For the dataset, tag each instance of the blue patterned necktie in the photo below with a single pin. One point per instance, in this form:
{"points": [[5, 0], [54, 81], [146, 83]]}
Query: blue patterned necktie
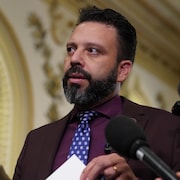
{"points": [[81, 139]]}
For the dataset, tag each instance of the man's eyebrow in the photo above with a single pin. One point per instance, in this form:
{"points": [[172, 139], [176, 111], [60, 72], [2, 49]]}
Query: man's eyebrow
{"points": [[70, 43], [95, 45]]}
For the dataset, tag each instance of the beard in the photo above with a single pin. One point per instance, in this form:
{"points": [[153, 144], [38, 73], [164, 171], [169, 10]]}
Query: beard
{"points": [[96, 91]]}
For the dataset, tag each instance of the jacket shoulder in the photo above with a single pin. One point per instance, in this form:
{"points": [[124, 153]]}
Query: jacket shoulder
{"points": [[131, 108]]}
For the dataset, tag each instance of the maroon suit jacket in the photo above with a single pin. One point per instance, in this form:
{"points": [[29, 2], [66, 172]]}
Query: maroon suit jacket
{"points": [[162, 130]]}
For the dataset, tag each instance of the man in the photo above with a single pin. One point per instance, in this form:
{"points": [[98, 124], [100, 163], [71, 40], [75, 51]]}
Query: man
{"points": [[100, 55]]}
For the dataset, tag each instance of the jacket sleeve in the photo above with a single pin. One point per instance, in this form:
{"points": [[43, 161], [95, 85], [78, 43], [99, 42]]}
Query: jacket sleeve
{"points": [[176, 154], [18, 169]]}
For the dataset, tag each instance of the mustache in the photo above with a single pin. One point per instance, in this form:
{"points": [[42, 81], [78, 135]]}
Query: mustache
{"points": [[77, 70]]}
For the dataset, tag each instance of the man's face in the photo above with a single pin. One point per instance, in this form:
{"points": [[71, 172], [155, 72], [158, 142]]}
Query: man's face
{"points": [[91, 63]]}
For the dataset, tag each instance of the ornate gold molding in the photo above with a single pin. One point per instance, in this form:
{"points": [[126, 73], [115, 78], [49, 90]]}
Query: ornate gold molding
{"points": [[16, 111], [52, 83]]}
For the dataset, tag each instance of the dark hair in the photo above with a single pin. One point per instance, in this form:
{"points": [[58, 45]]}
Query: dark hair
{"points": [[126, 32]]}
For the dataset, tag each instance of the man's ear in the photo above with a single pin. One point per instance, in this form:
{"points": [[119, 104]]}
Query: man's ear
{"points": [[124, 68]]}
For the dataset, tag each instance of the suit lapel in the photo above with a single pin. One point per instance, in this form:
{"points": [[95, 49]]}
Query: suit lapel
{"points": [[134, 111], [51, 144]]}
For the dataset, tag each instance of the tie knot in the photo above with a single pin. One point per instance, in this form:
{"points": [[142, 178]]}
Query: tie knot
{"points": [[87, 115]]}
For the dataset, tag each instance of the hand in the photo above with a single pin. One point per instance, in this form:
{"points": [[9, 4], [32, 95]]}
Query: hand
{"points": [[177, 174], [111, 166]]}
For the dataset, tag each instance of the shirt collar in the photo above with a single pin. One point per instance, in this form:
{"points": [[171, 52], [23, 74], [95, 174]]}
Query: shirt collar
{"points": [[110, 108]]}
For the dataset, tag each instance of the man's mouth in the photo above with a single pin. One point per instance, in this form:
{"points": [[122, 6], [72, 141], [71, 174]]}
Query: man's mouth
{"points": [[76, 78]]}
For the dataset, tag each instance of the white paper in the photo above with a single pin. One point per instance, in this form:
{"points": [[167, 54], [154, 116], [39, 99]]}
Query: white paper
{"points": [[71, 169]]}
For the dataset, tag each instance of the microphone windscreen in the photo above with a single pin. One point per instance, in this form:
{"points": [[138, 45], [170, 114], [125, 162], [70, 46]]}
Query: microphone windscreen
{"points": [[121, 133]]}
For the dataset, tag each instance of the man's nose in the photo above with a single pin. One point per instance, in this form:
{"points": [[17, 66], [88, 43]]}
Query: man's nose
{"points": [[77, 58]]}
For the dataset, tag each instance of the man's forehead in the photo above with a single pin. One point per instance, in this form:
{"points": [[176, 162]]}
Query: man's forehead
{"points": [[93, 25], [94, 30]]}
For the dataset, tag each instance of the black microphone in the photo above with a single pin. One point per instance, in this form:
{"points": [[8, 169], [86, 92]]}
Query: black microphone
{"points": [[176, 108], [128, 139]]}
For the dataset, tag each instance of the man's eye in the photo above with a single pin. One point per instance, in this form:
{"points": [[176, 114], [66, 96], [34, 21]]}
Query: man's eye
{"points": [[93, 50], [70, 49]]}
